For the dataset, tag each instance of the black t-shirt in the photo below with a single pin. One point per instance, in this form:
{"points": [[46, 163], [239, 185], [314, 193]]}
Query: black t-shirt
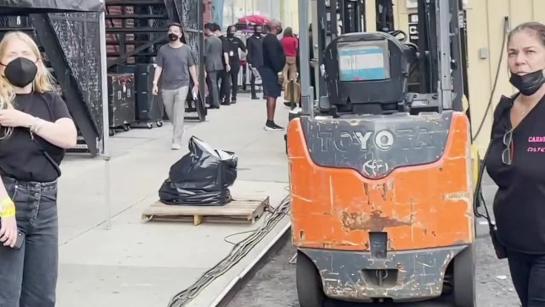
{"points": [[519, 204], [255, 50], [233, 44], [273, 53], [20, 156]]}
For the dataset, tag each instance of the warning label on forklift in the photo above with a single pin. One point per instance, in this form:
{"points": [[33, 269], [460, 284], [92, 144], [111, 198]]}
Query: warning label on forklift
{"points": [[362, 62]]}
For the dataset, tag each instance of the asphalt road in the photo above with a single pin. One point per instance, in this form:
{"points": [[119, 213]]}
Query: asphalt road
{"points": [[273, 285]]}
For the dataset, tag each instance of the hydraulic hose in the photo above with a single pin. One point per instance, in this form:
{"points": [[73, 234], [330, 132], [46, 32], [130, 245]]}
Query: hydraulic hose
{"points": [[494, 87]]}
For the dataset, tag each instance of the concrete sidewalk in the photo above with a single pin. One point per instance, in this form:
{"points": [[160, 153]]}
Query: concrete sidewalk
{"points": [[110, 257]]}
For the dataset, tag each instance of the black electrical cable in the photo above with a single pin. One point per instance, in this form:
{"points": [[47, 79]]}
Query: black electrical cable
{"points": [[238, 252], [481, 125], [478, 197], [226, 239], [479, 201]]}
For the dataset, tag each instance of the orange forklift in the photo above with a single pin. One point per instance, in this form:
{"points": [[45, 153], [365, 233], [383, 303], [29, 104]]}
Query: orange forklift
{"points": [[380, 163]]}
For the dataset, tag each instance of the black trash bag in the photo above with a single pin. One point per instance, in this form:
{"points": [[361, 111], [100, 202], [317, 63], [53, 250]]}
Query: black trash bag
{"points": [[202, 177]]}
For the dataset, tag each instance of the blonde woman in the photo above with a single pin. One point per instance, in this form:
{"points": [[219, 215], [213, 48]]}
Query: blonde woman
{"points": [[35, 128]]}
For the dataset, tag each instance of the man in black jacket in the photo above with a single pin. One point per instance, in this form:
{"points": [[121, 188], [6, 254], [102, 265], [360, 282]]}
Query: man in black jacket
{"points": [[215, 56], [273, 63], [255, 56], [224, 76]]}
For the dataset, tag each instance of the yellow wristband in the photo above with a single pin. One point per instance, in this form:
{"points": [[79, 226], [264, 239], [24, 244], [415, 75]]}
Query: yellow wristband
{"points": [[8, 212], [7, 208]]}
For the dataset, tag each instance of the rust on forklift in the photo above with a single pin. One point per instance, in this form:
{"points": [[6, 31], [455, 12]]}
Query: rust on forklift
{"points": [[372, 222]]}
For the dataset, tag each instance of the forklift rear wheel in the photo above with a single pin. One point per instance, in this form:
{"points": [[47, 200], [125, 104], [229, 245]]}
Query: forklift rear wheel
{"points": [[464, 278], [309, 283]]}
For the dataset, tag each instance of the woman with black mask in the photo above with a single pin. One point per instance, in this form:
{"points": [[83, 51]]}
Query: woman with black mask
{"points": [[516, 162], [36, 128]]}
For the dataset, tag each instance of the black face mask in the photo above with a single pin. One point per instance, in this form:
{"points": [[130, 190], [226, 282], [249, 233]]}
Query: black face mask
{"points": [[20, 72], [173, 37], [528, 84], [230, 35]]}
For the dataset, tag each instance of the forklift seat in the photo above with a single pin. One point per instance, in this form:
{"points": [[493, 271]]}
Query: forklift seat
{"points": [[368, 72]]}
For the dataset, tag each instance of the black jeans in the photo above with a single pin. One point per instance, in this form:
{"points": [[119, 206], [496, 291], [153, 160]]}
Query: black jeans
{"points": [[244, 76], [528, 274], [225, 87], [234, 80], [253, 72], [212, 82], [28, 276]]}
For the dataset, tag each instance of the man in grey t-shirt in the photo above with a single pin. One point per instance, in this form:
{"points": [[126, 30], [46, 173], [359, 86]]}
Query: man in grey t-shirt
{"points": [[175, 64]]}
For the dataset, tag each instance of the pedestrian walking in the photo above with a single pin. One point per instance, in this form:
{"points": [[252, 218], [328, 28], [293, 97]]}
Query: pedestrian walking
{"points": [[516, 162], [214, 64], [175, 64], [273, 63], [290, 44], [36, 128], [224, 78]]}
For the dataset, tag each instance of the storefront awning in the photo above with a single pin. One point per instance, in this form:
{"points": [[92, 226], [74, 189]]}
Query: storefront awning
{"points": [[16, 7]]}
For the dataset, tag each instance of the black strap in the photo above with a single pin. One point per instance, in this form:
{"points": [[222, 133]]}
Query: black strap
{"points": [[478, 197], [49, 158], [504, 105]]}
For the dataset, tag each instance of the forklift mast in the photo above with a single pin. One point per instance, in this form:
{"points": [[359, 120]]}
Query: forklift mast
{"points": [[441, 61]]}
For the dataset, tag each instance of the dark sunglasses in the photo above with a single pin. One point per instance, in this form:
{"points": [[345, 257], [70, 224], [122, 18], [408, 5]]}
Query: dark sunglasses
{"points": [[507, 153]]}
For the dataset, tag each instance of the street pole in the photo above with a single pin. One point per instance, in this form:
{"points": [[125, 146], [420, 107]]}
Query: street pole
{"points": [[200, 20], [105, 120], [104, 85]]}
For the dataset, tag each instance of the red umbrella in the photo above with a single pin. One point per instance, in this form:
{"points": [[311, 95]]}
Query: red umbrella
{"points": [[254, 20]]}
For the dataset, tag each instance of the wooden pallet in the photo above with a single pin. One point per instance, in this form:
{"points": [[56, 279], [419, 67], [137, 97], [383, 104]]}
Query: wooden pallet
{"points": [[237, 211]]}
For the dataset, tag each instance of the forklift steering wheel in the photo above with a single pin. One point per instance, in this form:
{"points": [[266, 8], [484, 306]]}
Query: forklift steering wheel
{"points": [[396, 33]]}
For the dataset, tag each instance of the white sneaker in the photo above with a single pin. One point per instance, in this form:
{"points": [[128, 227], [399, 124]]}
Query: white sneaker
{"points": [[176, 146]]}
